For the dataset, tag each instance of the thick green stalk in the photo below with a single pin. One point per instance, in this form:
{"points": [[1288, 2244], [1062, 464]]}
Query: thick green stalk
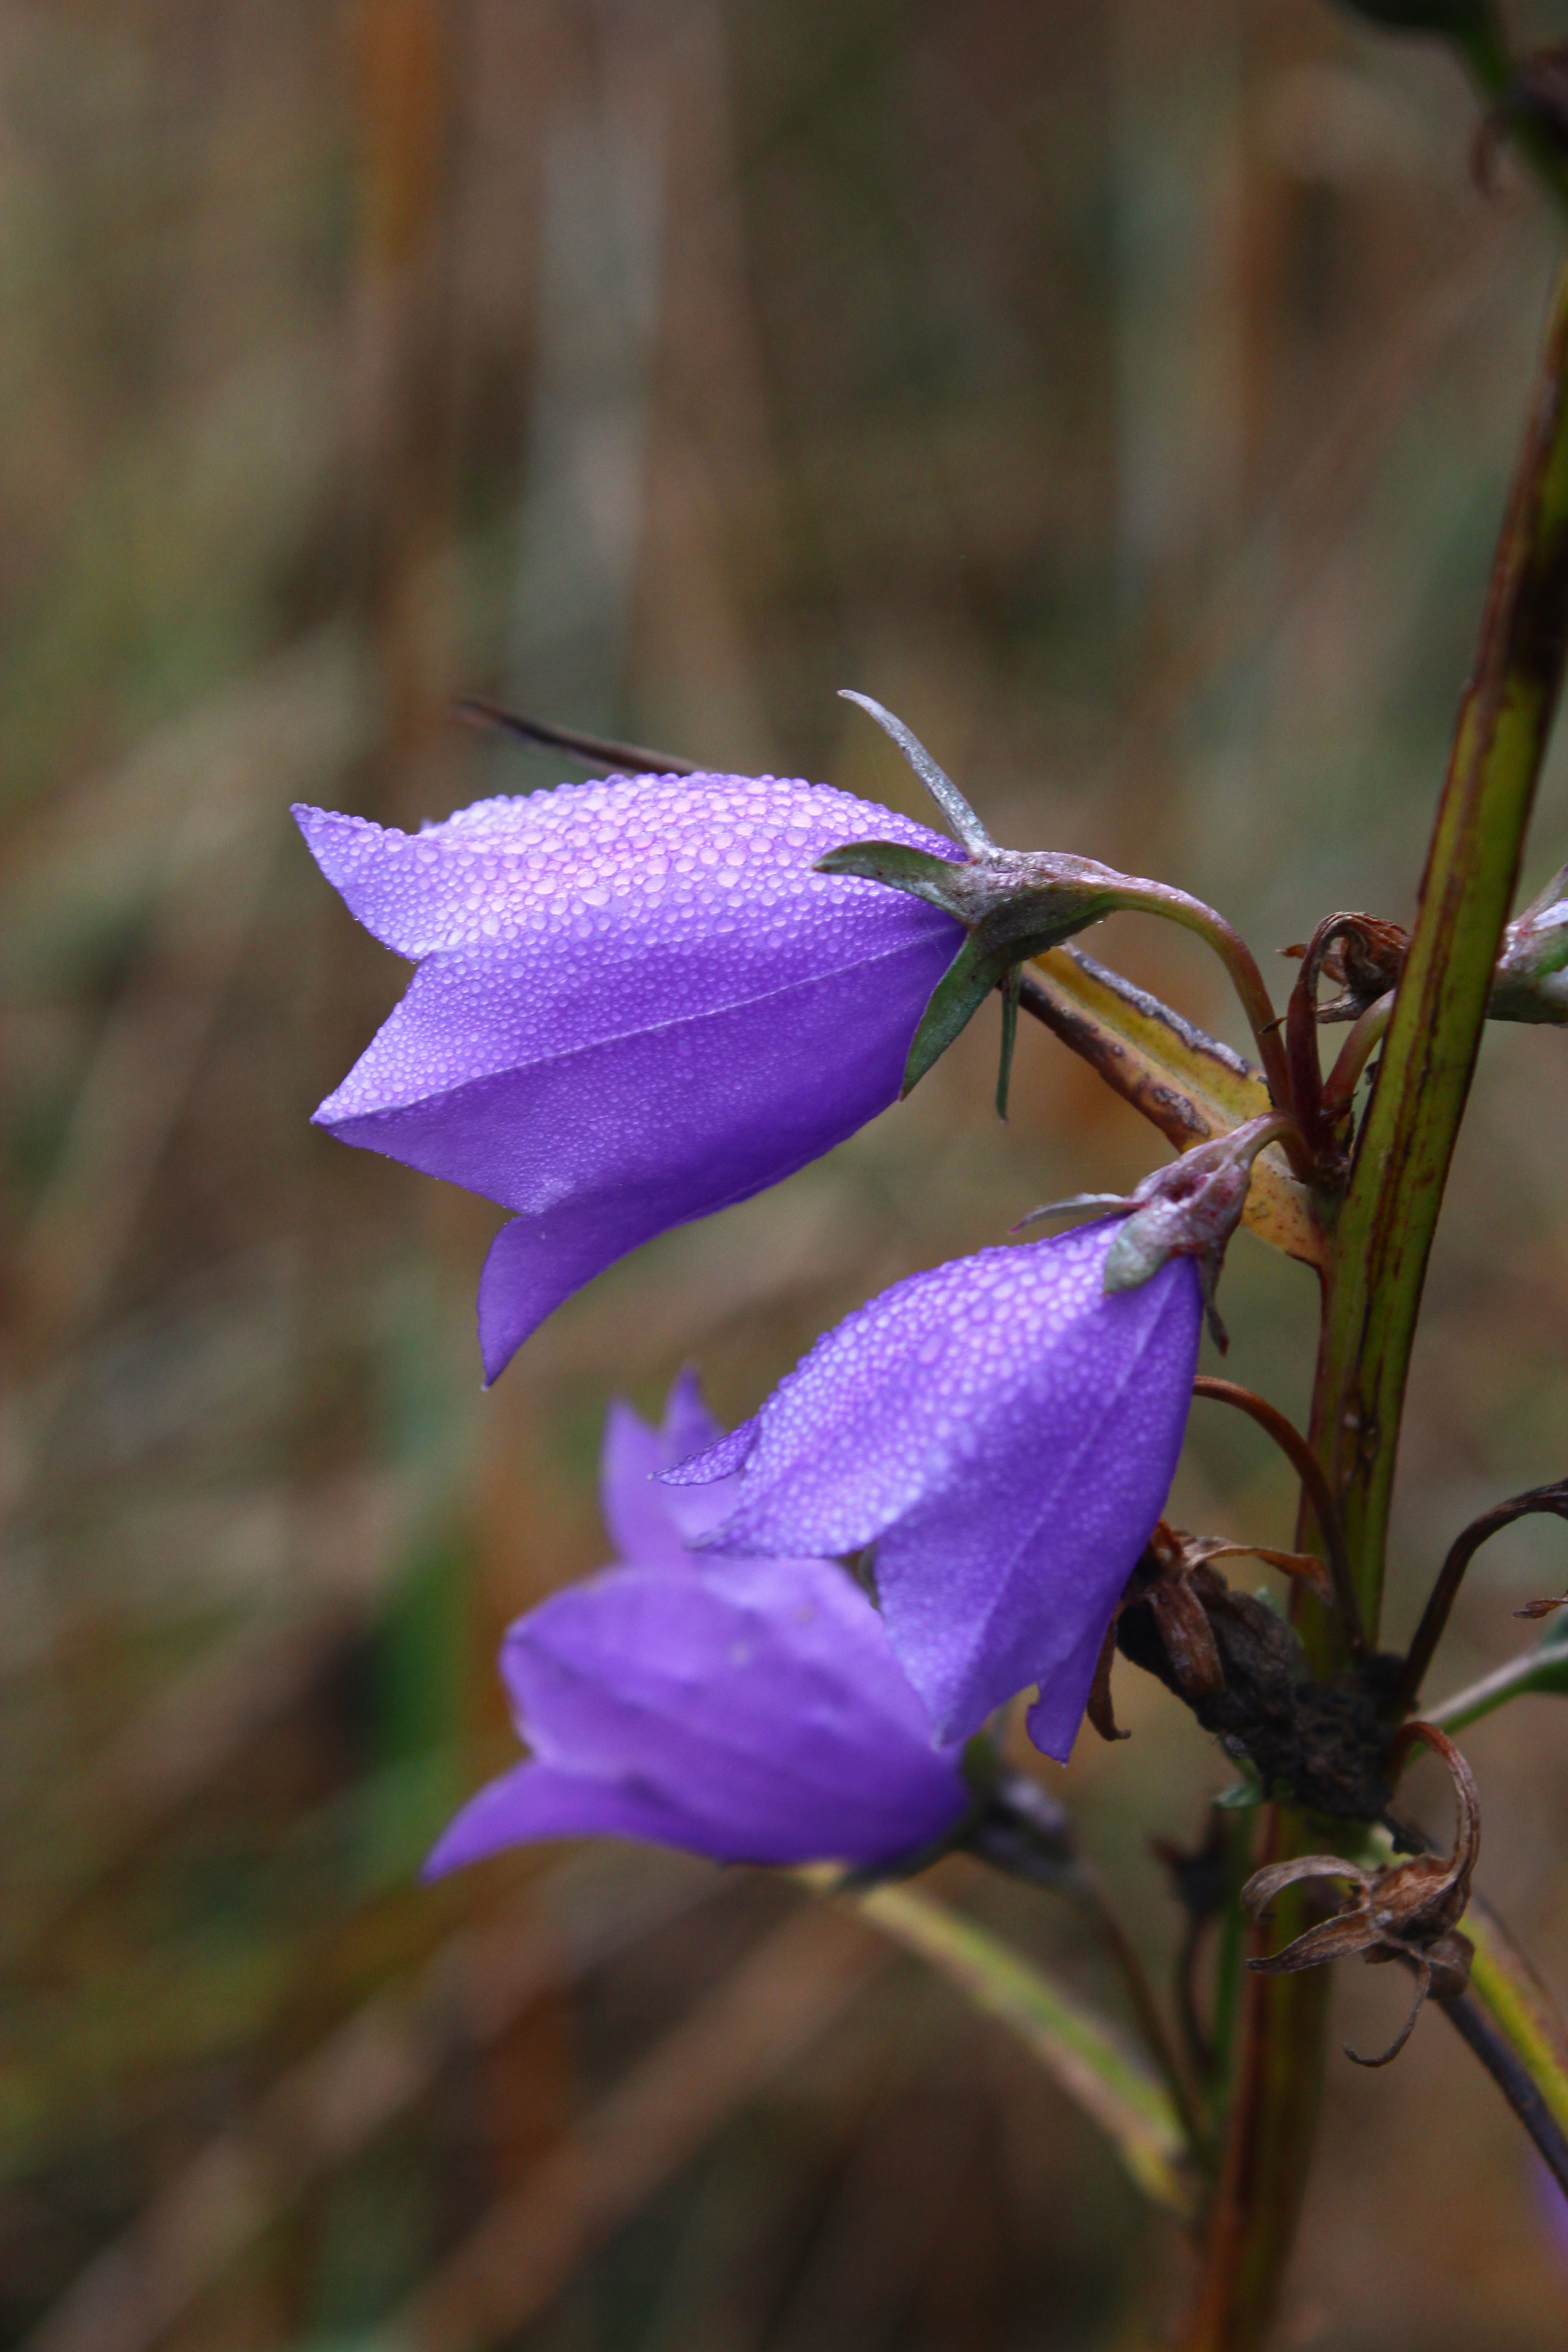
{"points": [[1377, 1265], [1383, 1233]]}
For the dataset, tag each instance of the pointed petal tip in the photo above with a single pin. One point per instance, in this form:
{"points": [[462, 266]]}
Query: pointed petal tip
{"points": [[718, 1461]]}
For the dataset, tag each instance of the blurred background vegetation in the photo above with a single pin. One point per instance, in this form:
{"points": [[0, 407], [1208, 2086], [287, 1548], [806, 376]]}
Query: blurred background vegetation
{"points": [[1122, 390]]}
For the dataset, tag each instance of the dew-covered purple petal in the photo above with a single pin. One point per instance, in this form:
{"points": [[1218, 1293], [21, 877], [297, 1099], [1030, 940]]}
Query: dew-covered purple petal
{"points": [[1006, 1433], [637, 1004]]}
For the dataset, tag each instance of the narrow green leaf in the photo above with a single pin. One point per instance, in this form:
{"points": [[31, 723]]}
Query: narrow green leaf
{"points": [[1543, 1669], [1101, 2070], [1183, 1081]]}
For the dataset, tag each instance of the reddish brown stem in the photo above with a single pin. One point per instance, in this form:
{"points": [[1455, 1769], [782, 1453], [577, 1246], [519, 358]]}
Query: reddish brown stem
{"points": [[1309, 1470]]}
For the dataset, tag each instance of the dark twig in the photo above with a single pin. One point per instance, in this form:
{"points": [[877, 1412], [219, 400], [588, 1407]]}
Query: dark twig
{"points": [[1552, 1500], [1145, 2005], [1024, 1832], [1309, 1470], [595, 751], [1470, 2023], [1301, 1036]]}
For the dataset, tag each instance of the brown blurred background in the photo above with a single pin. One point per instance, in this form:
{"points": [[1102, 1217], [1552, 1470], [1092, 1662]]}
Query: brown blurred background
{"points": [[1124, 391]]}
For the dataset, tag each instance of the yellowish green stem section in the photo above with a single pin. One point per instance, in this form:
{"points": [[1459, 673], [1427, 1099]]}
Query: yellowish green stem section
{"points": [[1518, 2006], [1102, 2070], [1383, 1233], [1376, 1268]]}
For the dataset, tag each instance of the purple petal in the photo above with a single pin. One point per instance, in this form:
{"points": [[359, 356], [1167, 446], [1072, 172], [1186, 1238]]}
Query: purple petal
{"points": [[635, 1510], [649, 1526], [639, 1005], [1006, 1434], [763, 1701], [539, 1801]]}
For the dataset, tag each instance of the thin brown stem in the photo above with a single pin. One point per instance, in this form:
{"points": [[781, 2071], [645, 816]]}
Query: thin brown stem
{"points": [[1518, 2086], [1145, 2005], [1552, 1500], [1179, 906], [1309, 1470], [1301, 1034], [593, 751]]}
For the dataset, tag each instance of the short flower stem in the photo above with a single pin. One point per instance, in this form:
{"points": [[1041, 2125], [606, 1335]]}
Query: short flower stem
{"points": [[1145, 2006], [601, 751], [1309, 1470], [1161, 898], [1340, 1085]]}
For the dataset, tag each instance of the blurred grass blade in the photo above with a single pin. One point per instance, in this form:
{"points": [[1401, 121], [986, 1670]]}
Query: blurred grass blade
{"points": [[1519, 2005], [1099, 2067], [1187, 1083]]}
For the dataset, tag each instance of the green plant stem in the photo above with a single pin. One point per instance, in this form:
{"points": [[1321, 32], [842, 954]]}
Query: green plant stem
{"points": [[1377, 1266], [1274, 2085], [1544, 1669], [1383, 1233]]}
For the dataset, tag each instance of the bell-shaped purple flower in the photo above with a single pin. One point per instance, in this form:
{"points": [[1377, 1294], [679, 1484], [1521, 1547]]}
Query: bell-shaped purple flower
{"points": [[635, 1004], [1005, 1430], [751, 1711]]}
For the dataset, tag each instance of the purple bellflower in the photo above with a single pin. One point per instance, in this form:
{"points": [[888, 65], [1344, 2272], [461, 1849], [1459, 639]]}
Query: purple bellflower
{"points": [[1005, 1430], [635, 1004], [751, 1711]]}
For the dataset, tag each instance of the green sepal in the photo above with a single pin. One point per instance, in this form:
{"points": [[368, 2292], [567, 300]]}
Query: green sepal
{"points": [[1244, 1796], [897, 865], [953, 1005], [980, 1765], [1133, 1256], [1010, 988]]}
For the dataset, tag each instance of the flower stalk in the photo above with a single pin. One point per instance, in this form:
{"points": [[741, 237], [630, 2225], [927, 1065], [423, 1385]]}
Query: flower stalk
{"points": [[1377, 1266]]}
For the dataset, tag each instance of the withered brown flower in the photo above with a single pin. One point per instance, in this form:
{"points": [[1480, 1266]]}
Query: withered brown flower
{"points": [[1363, 955], [1406, 1910], [1176, 1592]]}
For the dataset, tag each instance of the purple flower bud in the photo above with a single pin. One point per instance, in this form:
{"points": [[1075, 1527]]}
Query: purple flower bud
{"points": [[1006, 1431], [750, 1711], [635, 1004]]}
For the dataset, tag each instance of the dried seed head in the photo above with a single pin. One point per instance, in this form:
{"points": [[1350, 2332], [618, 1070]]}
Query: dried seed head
{"points": [[1408, 1910]]}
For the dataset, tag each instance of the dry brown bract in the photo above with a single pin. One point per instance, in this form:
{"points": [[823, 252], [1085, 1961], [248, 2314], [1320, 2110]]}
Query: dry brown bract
{"points": [[1407, 1911]]}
